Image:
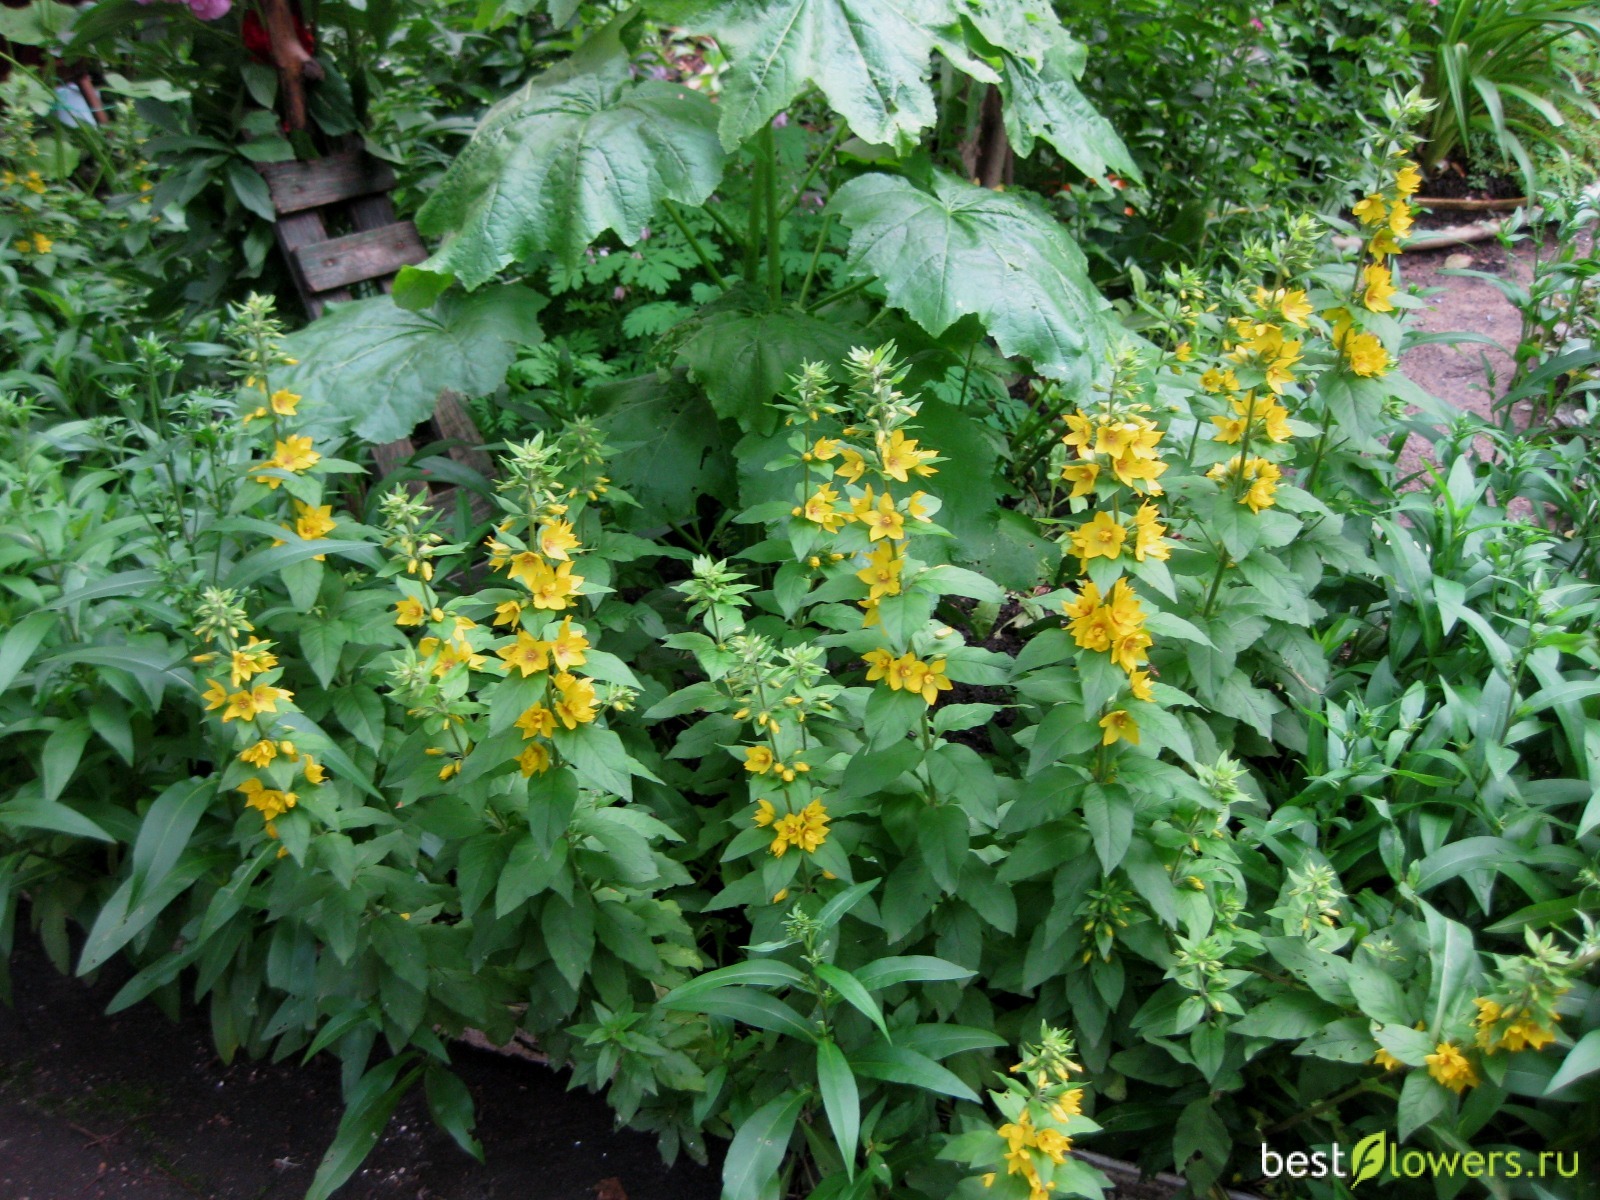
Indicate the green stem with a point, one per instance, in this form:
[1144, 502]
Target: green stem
[769, 150]
[1216, 581]
[722, 223]
[811, 171]
[816, 256]
[694, 244]
[752, 241]
[842, 293]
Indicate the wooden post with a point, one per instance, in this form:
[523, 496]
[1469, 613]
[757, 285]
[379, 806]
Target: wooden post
[294, 65]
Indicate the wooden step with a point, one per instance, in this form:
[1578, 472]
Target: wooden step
[297, 186]
[367, 254]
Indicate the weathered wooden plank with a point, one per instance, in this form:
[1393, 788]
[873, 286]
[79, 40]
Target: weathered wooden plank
[297, 186]
[294, 233]
[455, 424]
[360, 256]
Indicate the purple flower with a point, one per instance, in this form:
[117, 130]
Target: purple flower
[1255, 22]
[210, 10]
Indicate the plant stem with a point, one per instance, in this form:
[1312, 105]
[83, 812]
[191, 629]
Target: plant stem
[816, 164]
[694, 244]
[833, 297]
[722, 223]
[752, 241]
[1216, 581]
[816, 255]
[769, 150]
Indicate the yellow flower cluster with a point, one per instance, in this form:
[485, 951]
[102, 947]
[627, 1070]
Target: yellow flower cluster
[1450, 1068]
[1255, 476]
[1124, 440]
[759, 760]
[907, 673]
[1510, 1028]
[552, 587]
[1112, 625]
[805, 830]
[1104, 536]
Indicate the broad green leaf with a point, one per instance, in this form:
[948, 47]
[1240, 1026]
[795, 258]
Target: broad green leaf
[371, 1105]
[831, 913]
[1581, 1061]
[450, 1104]
[886, 972]
[744, 360]
[758, 1148]
[841, 1100]
[668, 448]
[166, 830]
[962, 249]
[757, 972]
[753, 1008]
[50, 816]
[852, 992]
[579, 150]
[1040, 66]
[383, 368]
[1108, 812]
[897, 1064]
[63, 750]
[21, 640]
[870, 58]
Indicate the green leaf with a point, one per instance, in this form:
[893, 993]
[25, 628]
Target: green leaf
[757, 972]
[897, 1064]
[579, 150]
[371, 1105]
[63, 750]
[744, 360]
[758, 1148]
[852, 993]
[47, 815]
[753, 1008]
[21, 640]
[908, 968]
[669, 449]
[165, 832]
[1421, 1101]
[569, 935]
[841, 1100]
[451, 1106]
[529, 871]
[964, 249]
[831, 913]
[1108, 812]
[382, 368]
[1581, 1061]
[870, 58]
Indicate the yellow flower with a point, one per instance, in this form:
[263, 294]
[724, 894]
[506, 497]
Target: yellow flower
[1450, 1068]
[260, 755]
[882, 572]
[553, 589]
[1380, 286]
[409, 611]
[1261, 415]
[1408, 179]
[536, 721]
[822, 450]
[806, 830]
[1119, 726]
[1366, 355]
[1183, 352]
[294, 453]
[1149, 535]
[1372, 210]
[454, 653]
[1383, 243]
[534, 759]
[509, 613]
[883, 521]
[1527, 1034]
[851, 465]
[524, 566]
[251, 660]
[878, 664]
[313, 770]
[757, 759]
[1139, 686]
[819, 509]
[1080, 433]
[1217, 382]
[1386, 1060]
[1101, 537]
[528, 655]
[906, 673]
[567, 651]
[765, 814]
[555, 539]
[314, 521]
[1291, 303]
[269, 802]
[575, 704]
[215, 695]
[283, 402]
[34, 182]
[1081, 475]
[1400, 219]
[42, 244]
[934, 682]
[900, 456]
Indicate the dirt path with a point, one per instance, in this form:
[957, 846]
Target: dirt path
[135, 1107]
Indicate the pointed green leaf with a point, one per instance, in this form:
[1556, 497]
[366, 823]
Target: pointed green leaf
[758, 1148]
[841, 1100]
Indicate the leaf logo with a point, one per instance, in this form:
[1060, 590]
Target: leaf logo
[1368, 1156]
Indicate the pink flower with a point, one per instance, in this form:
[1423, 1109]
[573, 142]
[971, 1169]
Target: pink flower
[1255, 22]
[210, 10]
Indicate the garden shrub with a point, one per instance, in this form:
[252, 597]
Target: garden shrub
[1211, 799]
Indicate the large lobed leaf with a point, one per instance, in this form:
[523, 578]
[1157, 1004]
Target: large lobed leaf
[870, 58]
[383, 367]
[579, 150]
[962, 249]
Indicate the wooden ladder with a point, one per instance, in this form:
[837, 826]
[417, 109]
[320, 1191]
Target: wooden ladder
[307, 195]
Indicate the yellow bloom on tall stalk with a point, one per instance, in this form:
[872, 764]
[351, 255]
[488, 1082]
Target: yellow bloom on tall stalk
[1101, 537]
[408, 610]
[1119, 726]
[1520, 1034]
[534, 759]
[1290, 303]
[269, 802]
[1260, 475]
[1400, 219]
[284, 402]
[536, 721]
[878, 664]
[260, 755]
[881, 519]
[1372, 210]
[1450, 1068]
[805, 830]
[900, 457]
[552, 589]
[1408, 179]
[247, 705]
[1149, 535]
[509, 613]
[294, 454]
[820, 510]
[882, 572]
[527, 654]
[575, 703]
[1218, 381]
[555, 539]
[567, 650]
[313, 521]
[1379, 287]
[851, 465]
[1383, 243]
[1081, 475]
[1365, 355]
[251, 659]
[758, 760]
[1262, 415]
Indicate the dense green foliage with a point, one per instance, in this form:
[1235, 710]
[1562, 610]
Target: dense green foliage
[894, 707]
